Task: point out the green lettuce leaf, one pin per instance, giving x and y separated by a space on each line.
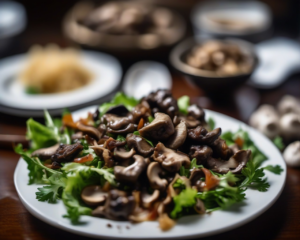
183 104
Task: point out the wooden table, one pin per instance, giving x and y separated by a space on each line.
281 221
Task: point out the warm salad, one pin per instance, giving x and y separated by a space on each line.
153 159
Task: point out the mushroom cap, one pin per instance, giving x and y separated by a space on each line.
127 129
139 144
132 172
201 135
292 154
290 126
288 104
196 111
148 200
266 120
122 154
93 195
178 137
170 159
201 153
89 130
159 129
45 153
153 171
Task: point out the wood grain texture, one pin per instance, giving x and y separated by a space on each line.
281 221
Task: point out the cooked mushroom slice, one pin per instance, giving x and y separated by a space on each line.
292 154
132 172
195 179
45 153
65 152
119 110
122 154
165 222
142 110
178 137
105 153
139 144
197 112
201 153
266 120
189 121
112 143
201 135
93 132
148 200
160 129
199 206
221 150
118 206
153 171
102 129
93 195
170 159
288 104
115 122
235 164
290 126
129 128
235 148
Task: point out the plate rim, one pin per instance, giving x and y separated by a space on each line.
85 55
178 236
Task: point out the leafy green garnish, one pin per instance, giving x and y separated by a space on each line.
119 98
187 171
211 123
32 90
121 138
183 104
179 184
53 191
183 201
274 169
150 119
278 143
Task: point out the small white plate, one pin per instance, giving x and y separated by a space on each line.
187 227
105 69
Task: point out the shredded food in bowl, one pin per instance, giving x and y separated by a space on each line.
51 69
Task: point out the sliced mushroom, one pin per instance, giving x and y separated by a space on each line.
118 206
142 110
148 200
139 144
221 150
93 195
290 126
105 154
91 131
197 112
235 164
266 120
78 135
45 153
160 129
115 122
288 104
201 153
292 154
128 129
201 135
178 137
170 159
65 152
199 206
132 172
111 143
189 121
122 154
153 171
165 222
195 179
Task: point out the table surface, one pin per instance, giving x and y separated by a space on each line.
281 221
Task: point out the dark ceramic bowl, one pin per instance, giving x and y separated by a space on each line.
209 81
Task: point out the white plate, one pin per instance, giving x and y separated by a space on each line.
187 227
106 72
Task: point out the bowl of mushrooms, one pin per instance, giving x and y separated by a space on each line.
123 26
215 65
283 121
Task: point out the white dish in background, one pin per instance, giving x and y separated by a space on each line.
187 227
255 14
105 69
145 77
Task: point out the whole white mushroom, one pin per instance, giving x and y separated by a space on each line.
290 126
266 120
292 154
288 104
